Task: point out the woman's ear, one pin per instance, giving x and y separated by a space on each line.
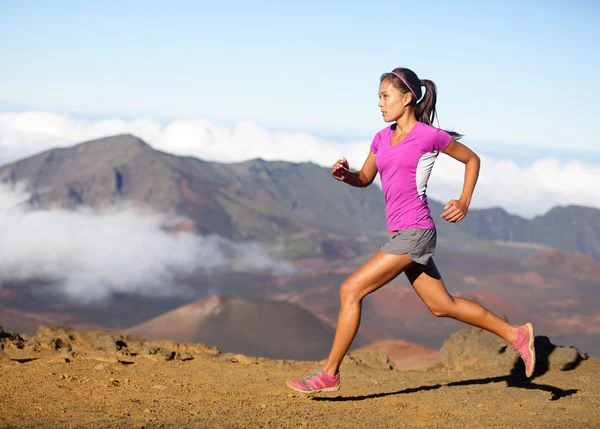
407 99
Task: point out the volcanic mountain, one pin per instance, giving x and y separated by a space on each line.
267 328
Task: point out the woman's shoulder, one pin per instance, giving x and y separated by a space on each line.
428 129
432 138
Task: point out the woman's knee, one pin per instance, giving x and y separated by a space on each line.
443 309
440 311
350 292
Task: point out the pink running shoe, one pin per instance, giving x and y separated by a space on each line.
318 381
524 345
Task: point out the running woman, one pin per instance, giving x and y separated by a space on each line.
403 154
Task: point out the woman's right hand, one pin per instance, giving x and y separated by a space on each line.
340 169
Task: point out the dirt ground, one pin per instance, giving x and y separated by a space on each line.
195 386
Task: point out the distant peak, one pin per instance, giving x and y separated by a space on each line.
126 137
117 140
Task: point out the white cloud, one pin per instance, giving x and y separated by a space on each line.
90 255
525 190
27 133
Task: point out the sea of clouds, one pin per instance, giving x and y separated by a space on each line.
89 255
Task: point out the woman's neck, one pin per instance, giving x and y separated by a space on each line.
405 123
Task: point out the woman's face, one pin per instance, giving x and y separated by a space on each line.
392 102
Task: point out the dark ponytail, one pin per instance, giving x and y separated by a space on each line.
407 81
425 108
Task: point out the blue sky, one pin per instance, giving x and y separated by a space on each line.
520 80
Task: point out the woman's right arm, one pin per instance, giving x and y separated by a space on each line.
360 179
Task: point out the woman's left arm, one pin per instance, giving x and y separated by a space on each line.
456 210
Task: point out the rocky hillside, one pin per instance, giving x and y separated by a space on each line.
112 380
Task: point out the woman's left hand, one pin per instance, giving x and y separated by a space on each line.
455 210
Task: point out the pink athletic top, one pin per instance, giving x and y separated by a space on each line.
405 170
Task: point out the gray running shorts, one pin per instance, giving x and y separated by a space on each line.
419 243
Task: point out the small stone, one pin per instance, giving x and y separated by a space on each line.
167 354
150 349
241 358
104 342
58 344
283 364
159 387
127 352
120 344
8 336
185 356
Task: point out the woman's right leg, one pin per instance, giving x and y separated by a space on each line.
430 287
373 274
428 283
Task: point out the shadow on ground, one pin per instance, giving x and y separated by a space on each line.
516 377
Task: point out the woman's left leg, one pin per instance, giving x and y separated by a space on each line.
428 283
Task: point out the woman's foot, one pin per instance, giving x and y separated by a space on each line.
524 344
318 381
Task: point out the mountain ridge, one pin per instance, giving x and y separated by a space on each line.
258 199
